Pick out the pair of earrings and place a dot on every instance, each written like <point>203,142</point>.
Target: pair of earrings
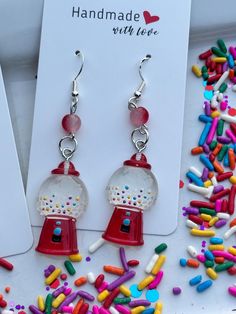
<point>63,197</point>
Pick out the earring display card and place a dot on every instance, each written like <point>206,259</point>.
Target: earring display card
<point>114,36</point>
<point>15,229</point>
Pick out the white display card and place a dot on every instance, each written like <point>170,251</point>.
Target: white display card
<point>114,36</point>
<point>15,229</point>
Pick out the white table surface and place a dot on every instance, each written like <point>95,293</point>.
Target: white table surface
<point>26,280</point>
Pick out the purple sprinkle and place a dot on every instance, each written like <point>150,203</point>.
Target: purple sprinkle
<point>85,295</point>
<point>220,223</point>
<point>176,290</point>
<point>51,268</point>
<point>234,246</point>
<point>225,66</point>
<point>47,288</point>
<point>65,283</point>
<point>88,259</point>
<point>22,307</point>
<point>218,188</point>
<point>58,291</point>
<point>12,309</point>
<point>226,96</point>
<point>202,227</point>
<point>206,148</point>
<point>18,307</point>
<point>192,210</point>
<point>223,139</point>
<point>202,250</point>
<point>123,259</point>
<point>136,303</point>
<point>184,214</point>
<point>117,282</point>
<point>207,109</point>
<point>205,174</point>
<point>203,243</point>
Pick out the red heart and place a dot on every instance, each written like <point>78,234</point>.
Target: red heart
<point>150,18</point>
<point>181,184</point>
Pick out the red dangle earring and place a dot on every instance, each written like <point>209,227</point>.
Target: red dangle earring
<point>132,188</point>
<point>63,196</point>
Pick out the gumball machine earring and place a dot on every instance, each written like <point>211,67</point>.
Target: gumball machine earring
<point>132,188</point>
<point>63,196</point>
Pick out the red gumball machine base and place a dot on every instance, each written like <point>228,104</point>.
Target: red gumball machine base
<point>58,236</point>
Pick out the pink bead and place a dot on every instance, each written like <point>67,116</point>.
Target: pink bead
<point>139,116</point>
<point>223,105</point>
<point>71,123</point>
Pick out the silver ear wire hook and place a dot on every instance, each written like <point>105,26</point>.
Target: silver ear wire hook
<point>132,103</point>
<point>75,93</point>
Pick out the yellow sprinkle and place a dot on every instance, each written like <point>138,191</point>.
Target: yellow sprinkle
<point>213,221</point>
<point>232,179</point>
<point>41,304</point>
<point>196,70</point>
<point>125,291</point>
<point>206,217</point>
<point>211,273</point>
<point>158,307</point>
<point>216,247</point>
<point>202,233</point>
<point>215,114</point>
<point>232,250</point>
<point>53,276</point>
<point>157,266</point>
<point>207,183</point>
<point>137,309</point>
<point>75,258</point>
<point>219,59</point>
<point>103,295</point>
<point>145,282</point>
<point>56,302</point>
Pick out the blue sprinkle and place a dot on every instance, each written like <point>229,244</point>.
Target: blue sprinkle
<point>208,94</point>
<point>195,280</point>
<point>149,311</point>
<point>215,240</point>
<point>152,295</point>
<point>204,134</point>
<point>183,262</point>
<point>203,286</point>
<point>134,291</point>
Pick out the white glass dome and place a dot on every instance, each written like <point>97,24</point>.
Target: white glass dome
<point>63,195</point>
<point>132,186</point>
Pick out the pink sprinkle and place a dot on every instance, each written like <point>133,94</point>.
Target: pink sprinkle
<point>95,309</point>
<point>201,258</point>
<point>67,309</point>
<point>226,255</point>
<point>223,105</point>
<point>230,134</point>
<point>157,280</point>
<point>212,131</point>
<point>122,309</point>
<point>104,311</point>
<point>232,291</point>
<point>218,205</point>
<point>67,291</point>
<point>103,286</point>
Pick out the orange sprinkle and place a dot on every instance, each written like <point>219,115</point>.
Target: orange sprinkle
<point>196,150</point>
<point>231,159</point>
<point>210,175</point>
<point>114,270</point>
<point>219,260</point>
<point>218,166</point>
<point>217,149</point>
<point>232,223</point>
<point>193,263</point>
<point>231,73</point>
<point>7,289</point>
<point>80,281</point>
<point>78,306</point>
<point>1,297</point>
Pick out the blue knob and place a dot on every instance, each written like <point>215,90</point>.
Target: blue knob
<point>126,222</point>
<point>57,231</point>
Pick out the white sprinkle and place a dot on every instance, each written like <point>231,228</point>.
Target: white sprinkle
<point>191,224</point>
<point>96,245</point>
<point>229,232</point>
<point>151,263</point>
<point>223,216</point>
<point>192,251</point>
<point>113,310</point>
<point>195,171</point>
<point>221,80</point>
<point>198,189</point>
<point>234,88</point>
<point>227,118</point>
<point>214,181</point>
<point>91,277</point>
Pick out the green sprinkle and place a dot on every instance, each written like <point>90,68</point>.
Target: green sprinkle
<point>205,75</point>
<point>207,211</point>
<point>209,264</point>
<point>48,304</point>
<point>213,145</point>
<point>70,268</point>
<point>222,152</point>
<point>218,52</point>
<point>160,248</point>
<point>204,69</point>
<point>220,127</point>
<point>122,300</point>
<point>223,266</point>
<point>221,45</point>
<point>223,87</point>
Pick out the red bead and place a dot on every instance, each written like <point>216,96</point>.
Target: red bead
<point>71,123</point>
<point>139,116</point>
